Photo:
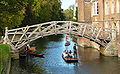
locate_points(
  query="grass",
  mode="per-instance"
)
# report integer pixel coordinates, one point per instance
(4, 54)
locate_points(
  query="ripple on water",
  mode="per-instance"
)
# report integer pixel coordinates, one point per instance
(90, 61)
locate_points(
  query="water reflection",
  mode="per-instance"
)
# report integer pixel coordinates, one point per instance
(90, 61)
(87, 54)
(42, 43)
(53, 62)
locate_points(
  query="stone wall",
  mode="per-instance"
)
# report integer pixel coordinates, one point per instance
(109, 50)
(84, 11)
(84, 42)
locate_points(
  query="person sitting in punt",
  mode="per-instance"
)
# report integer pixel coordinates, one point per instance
(65, 53)
(31, 48)
(28, 46)
(23, 51)
(71, 54)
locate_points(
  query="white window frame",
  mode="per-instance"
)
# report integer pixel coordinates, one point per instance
(106, 8)
(112, 7)
(95, 8)
(117, 6)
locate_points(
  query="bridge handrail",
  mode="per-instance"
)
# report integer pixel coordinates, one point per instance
(39, 25)
(31, 26)
(33, 32)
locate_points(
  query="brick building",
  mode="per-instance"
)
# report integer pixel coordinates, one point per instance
(84, 10)
(105, 12)
(100, 12)
(75, 16)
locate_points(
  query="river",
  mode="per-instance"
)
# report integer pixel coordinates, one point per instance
(90, 60)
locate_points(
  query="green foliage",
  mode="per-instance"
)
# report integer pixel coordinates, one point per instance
(75, 20)
(4, 49)
(47, 10)
(69, 13)
(16, 13)
(11, 13)
(43, 11)
(4, 54)
(71, 7)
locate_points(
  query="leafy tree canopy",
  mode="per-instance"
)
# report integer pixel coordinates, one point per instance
(69, 13)
(16, 13)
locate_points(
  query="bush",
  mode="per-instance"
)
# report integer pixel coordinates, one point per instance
(4, 56)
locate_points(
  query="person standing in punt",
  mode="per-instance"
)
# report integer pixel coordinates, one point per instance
(75, 47)
(66, 38)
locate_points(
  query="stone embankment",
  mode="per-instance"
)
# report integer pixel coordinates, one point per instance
(109, 50)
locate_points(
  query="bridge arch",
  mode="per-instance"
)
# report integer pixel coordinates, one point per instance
(19, 37)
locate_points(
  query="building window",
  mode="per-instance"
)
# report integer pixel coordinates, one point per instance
(112, 7)
(106, 8)
(95, 9)
(117, 6)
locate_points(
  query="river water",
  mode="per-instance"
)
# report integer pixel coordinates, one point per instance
(90, 60)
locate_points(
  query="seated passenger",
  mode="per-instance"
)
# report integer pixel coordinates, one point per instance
(71, 54)
(65, 55)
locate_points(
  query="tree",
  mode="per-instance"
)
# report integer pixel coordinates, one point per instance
(16, 13)
(71, 7)
(11, 13)
(48, 10)
(69, 13)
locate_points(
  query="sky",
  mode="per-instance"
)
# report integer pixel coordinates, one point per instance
(67, 3)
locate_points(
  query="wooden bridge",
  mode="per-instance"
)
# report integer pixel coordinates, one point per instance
(19, 37)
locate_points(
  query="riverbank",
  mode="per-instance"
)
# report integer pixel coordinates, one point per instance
(4, 58)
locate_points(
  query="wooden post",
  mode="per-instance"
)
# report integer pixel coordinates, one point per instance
(84, 30)
(13, 49)
(98, 32)
(70, 23)
(55, 23)
(6, 35)
(114, 34)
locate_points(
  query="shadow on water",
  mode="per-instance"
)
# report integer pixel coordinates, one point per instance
(41, 43)
(87, 54)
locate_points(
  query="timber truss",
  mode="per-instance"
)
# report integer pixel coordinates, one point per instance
(19, 37)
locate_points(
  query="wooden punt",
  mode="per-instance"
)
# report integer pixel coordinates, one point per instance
(36, 54)
(69, 59)
(67, 43)
(32, 51)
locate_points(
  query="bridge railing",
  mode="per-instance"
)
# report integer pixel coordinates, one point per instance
(21, 36)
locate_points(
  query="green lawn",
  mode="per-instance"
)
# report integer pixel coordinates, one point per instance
(4, 54)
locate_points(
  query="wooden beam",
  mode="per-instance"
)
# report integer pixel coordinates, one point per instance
(14, 36)
(98, 32)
